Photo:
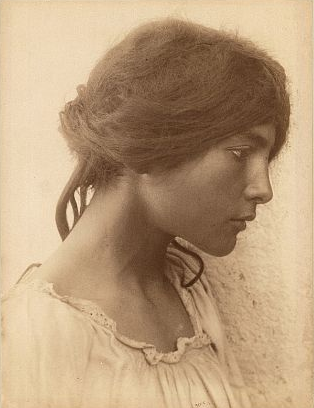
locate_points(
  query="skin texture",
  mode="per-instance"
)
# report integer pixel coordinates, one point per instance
(115, 255)
(198, 200)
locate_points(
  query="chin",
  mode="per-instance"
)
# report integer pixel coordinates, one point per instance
(217, 250)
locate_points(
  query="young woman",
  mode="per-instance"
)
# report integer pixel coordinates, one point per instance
(173, 134)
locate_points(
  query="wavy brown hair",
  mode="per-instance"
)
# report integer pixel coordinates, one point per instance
(163, 95)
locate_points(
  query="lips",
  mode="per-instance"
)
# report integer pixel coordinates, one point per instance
(249, 217)
(239, 224)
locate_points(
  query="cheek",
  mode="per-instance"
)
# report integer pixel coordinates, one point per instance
(199, 207)
(176, 210)
(219, 194)
(197, 199)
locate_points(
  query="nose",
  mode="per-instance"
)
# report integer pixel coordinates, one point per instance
(259, 187)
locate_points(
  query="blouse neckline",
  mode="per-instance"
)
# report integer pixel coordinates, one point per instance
(95, 313)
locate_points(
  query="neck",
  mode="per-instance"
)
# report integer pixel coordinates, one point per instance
(114, 239)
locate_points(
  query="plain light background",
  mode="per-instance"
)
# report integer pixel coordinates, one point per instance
(264, 288)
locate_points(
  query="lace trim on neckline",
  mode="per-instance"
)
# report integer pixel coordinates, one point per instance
(95, 313)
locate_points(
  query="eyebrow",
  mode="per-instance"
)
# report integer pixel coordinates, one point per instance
(258, 139)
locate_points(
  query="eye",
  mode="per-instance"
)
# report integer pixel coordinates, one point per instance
(240, 153)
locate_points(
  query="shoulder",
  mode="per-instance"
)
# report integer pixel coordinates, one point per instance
(45, 348)
(36, 323)
(35, 304)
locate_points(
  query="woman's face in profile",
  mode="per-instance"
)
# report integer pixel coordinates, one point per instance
(203, 199)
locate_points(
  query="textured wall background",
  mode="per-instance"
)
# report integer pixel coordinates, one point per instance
(264, 288)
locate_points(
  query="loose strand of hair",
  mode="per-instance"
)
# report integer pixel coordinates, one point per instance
(83, 198)
(67, 196)
(75, 210)
(195, 256)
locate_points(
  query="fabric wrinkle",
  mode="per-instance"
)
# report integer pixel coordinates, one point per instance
(102, 367)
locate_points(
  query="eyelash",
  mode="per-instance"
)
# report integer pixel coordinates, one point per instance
(241, 153)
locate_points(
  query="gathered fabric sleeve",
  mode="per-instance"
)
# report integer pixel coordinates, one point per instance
(212, 324)
(45, 349)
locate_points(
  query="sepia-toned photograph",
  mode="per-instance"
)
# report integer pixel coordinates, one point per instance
(156, 206)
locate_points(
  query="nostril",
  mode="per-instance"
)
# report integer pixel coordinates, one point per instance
(260, 191)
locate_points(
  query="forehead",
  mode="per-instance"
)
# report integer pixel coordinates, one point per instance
(263, 136)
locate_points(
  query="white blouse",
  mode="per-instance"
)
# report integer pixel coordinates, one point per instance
(65, 352)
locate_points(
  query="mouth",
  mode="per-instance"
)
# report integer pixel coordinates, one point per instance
(239, 224)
